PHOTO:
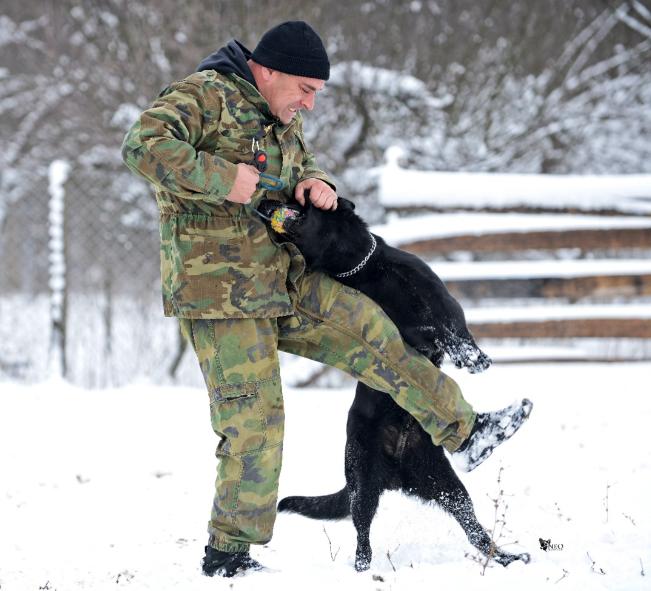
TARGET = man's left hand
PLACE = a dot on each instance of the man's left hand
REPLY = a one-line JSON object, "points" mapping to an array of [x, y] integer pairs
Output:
{"points": [[321, 194]]}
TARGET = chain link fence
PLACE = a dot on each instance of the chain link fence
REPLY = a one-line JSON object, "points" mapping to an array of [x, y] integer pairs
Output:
{"points": [[115, 329]]}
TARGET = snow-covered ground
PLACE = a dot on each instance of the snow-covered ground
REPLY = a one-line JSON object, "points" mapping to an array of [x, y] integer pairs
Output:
{"points": [[108, 489]]}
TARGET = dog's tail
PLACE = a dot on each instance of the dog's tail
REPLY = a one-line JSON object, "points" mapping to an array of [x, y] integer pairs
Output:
{"points": [[334, 506]]}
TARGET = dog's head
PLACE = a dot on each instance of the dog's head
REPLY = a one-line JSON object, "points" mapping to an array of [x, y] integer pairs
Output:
{"points": [[327, 239], [281, 217]]}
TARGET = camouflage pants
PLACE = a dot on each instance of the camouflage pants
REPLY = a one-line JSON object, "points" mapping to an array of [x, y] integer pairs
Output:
{"points": [[332, 324]]}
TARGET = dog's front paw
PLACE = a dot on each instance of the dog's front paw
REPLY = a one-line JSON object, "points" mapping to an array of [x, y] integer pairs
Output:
{"points": [[481, 363], [467, 354]]}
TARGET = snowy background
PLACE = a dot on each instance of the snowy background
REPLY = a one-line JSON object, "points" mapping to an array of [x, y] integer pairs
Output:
{"points": [[505, 143]]}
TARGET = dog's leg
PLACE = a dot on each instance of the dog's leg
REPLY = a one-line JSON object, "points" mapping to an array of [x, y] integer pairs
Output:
{"points": [[454, 498], [364, 499], [442, 485], [458, 344], [463, 351], [364, 503]]}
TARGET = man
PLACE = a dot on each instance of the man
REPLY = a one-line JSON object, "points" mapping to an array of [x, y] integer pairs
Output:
{"points": [[240, 297]]}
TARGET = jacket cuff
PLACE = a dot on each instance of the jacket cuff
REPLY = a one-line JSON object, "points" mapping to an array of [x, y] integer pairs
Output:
{"points": [[318, 175]]}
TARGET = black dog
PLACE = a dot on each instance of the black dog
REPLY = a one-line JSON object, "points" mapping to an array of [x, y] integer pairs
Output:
{"points": [[386, 449], [411, 294]]}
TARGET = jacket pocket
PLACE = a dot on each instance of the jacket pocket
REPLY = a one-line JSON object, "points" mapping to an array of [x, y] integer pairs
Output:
{"points": [[228, 268], [233, 141], [233, 391]]}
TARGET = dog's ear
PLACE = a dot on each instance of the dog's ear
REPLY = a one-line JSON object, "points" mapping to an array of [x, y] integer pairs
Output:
{"points": [[345, 203], [308, 201]]}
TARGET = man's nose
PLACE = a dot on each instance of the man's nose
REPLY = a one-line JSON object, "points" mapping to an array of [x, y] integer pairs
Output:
{"points": [[308, 102]]}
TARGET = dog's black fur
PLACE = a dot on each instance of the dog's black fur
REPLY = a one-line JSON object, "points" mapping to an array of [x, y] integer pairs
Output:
{"points": [[386, 449], [411, 294]]}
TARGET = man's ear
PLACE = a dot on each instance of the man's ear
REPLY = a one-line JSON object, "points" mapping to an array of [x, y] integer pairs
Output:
{"points": [[266, 73], [345, 203]]}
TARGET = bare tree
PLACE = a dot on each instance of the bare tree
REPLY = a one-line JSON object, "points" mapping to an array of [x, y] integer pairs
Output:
{"points": [[580, 111], [633, 14]]}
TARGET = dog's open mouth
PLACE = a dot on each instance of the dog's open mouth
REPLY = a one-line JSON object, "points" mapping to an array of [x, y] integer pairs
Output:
{"points": [[280, 216]]}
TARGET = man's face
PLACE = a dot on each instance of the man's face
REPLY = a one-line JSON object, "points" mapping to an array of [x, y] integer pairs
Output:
{"points": [[288, 94]]}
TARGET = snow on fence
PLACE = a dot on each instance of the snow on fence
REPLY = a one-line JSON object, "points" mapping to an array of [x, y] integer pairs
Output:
{"points": [[541, 263], [400, 188]]}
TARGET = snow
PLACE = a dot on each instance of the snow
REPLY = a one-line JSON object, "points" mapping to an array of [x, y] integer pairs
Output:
{"points": [[540, 313], [125, 115], [402, 188], [404, 230], [530, 353], [108, 489], [529, 269], [384, 81], [58, 175]]}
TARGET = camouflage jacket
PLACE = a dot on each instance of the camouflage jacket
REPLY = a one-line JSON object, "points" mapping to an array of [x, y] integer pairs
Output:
{"points": [[217, 258]]}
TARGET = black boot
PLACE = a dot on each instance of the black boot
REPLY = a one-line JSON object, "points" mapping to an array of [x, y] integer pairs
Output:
{"points": [[490, 430], [227, 564]]}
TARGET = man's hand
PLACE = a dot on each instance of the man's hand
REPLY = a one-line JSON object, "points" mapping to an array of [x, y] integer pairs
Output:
{"points": [[321, 194], [245, 184]]}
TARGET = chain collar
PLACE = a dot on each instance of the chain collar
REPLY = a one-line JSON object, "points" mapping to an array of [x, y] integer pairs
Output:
{"points": [[364, 261]]}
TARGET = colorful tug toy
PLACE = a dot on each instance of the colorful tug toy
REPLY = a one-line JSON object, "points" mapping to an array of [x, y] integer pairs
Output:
{"points": [[279, 216]]}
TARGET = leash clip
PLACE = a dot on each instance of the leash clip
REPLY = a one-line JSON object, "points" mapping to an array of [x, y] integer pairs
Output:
{"points": [[271, 183]]}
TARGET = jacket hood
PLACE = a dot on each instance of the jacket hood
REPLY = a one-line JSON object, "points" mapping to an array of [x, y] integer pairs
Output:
{"points": [[230, 59]]}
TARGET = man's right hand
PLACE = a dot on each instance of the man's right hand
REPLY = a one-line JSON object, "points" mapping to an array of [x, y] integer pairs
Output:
{"points": [[245, 184]]}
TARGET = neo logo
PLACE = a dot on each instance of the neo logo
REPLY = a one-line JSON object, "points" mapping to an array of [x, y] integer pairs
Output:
{"points": [[547, 545]]}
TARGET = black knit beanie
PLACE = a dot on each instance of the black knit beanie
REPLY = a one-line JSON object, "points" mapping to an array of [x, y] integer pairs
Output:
{"points": [[295, 48]]}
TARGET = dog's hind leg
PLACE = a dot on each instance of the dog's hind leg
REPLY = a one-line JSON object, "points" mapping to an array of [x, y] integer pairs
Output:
{"points": [[364, 499], [454, 498], [443, 486], [364, 503]]}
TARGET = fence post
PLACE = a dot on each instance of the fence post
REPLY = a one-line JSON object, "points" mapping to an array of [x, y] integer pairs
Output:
{"points": [[58, 175]]}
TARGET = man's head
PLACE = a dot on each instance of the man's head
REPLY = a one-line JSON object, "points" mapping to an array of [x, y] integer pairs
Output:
{"points": [[290, 65]]}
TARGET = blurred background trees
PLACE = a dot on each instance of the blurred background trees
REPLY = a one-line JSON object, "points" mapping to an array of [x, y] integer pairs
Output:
{"points": [[551, 86]]}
